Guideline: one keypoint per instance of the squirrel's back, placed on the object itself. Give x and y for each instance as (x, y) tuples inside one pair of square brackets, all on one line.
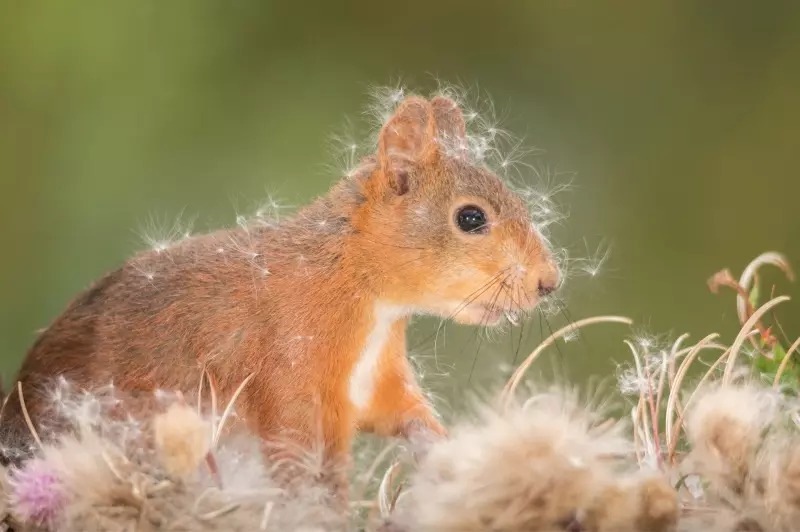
[(209, 302)]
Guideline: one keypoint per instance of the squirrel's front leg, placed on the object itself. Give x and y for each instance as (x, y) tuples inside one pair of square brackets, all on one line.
[(298, 433), (397, 406)]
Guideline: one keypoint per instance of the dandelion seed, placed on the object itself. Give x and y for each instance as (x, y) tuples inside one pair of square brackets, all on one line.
[(160, 236), (646, 341), (750, 351), (629, 381), (397, 96), (60, 390), (161, 394)]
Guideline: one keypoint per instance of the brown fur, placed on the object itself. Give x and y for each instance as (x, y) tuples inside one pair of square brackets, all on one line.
[(294, 302)]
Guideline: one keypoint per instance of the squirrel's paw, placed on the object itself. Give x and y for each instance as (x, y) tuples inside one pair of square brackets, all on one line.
[(420, 436)]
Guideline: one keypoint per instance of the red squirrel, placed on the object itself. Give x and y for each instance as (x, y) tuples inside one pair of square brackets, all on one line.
[(315, 307)]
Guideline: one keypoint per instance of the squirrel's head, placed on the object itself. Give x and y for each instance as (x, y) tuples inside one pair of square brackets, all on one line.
[(450, 238)]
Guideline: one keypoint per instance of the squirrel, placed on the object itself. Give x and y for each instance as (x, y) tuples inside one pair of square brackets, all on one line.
[(316, 306)]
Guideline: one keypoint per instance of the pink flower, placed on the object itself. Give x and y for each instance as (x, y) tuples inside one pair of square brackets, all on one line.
[(37, 494)]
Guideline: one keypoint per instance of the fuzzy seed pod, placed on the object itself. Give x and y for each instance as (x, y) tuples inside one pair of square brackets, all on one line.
[(725, 428), (183, 438), (781, 490), (646, 504), (37, 495), (518, 470)]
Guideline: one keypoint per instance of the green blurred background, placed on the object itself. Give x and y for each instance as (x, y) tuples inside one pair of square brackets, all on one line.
[(680, 120)]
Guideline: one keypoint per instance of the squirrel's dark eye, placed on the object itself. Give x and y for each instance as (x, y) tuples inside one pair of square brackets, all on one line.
[(471, 219)]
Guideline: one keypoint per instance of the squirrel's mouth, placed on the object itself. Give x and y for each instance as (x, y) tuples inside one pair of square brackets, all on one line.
[(484, 314), (492, 315)]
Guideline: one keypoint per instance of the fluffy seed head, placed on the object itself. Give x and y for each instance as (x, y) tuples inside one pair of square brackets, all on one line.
[(183, 438), (82, 466), (639, 504), (725, 428), (780, 462), (530, 468), (37, 494)]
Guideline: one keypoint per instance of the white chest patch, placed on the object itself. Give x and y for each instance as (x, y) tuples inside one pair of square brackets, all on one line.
[(362, 379)]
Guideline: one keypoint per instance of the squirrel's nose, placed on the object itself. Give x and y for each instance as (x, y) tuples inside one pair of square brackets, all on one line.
[(549, 280), (546, 288)]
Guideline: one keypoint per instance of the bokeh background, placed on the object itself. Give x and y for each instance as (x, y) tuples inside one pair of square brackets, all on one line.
[(678, 119)]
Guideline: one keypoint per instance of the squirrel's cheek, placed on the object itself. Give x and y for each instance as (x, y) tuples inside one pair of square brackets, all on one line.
[(462, 281)]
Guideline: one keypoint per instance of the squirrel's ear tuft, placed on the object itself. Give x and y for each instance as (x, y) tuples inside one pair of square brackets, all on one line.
[(449, 118), (407, 139)]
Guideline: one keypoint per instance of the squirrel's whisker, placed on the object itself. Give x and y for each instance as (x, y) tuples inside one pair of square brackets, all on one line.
[(469, 300), (484, 323)]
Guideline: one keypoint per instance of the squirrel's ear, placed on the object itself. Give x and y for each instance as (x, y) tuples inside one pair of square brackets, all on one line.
[(406, 140), (449, 118)]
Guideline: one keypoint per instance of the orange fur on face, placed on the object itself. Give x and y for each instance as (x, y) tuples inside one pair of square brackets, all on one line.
[(315, 307)]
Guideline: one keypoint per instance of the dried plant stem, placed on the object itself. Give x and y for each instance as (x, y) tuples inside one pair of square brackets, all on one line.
[(212, 389), (363, 504), (707, 375), (228, 411), (267, 511), (365, 478), (228, 508), (770, 257), (678, 406), (112, 466), (645, 400), (777, 321), (784, 363), (385, 496), (637, 440), (27, 416), (508, 391), (675, 353), (644, 445), (662, 374), (213, 468), (200, 391), (3, 407), (675, 385), (653, 415), (743, 334), (675, 429)]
